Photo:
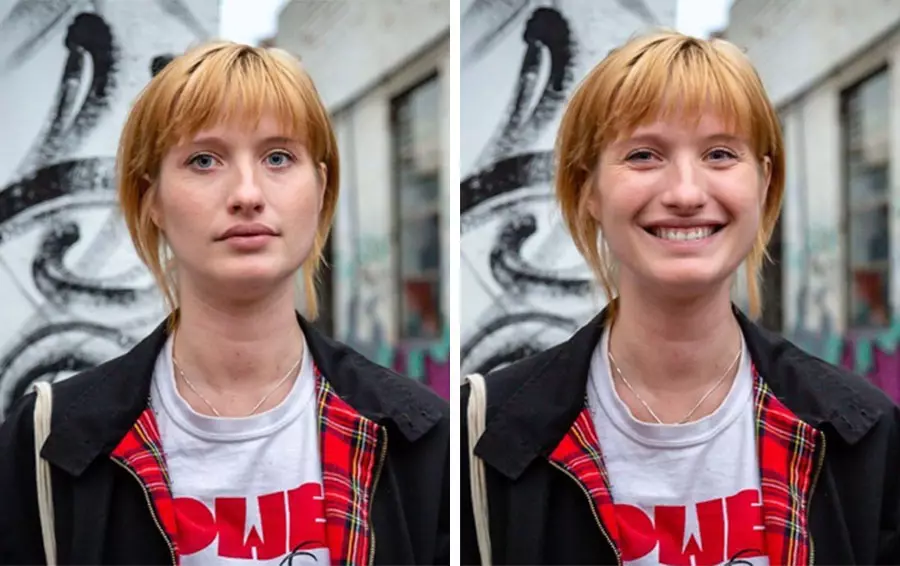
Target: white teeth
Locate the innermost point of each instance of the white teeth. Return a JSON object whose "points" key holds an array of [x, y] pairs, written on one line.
{"points": [[683, 234]]}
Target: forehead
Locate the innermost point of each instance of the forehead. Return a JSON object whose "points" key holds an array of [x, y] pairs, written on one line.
{"points": [[243, 128], [268, 125], [704, 124]]}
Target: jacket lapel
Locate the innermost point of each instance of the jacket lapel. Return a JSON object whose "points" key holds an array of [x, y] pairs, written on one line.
{"points": [[348, 445], [140, 453], [578, 455], [786, 447]]}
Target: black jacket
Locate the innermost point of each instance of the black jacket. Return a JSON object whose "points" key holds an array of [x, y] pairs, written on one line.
{"points": [[102, 516], [538, 515]]}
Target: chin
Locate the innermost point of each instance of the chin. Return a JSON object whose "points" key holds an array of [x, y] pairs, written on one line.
{"points": [[254, 273], [687, 279]]}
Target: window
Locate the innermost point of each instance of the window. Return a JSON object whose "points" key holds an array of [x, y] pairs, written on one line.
{"points": [[415, 126], [865, 123]]}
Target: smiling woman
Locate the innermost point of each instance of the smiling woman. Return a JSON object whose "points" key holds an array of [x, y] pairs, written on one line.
{"points": [[672, 429], [235, 431]]}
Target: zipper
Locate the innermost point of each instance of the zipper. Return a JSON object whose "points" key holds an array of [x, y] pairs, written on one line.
{"points": [[812, 489], [593, 510], [381, 457], [152, 510]]}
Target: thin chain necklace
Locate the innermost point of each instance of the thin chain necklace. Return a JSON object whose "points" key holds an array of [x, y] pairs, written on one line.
{"points": [[692, 411], [258, 405]]}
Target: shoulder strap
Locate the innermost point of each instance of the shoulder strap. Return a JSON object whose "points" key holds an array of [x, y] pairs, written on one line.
{"points": [[43, 410], [476, 417]]}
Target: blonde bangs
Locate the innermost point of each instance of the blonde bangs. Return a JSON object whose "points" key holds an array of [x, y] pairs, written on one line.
{"points": [[221, 82], [229, 86], [683, 80], [662, 76]]}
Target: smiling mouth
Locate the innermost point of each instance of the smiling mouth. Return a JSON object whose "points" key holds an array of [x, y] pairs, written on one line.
{"points": [[686, 234]]}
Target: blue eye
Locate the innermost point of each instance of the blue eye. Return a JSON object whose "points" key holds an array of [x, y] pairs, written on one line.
{"points": [[720, 154], [279, 159], [202, 161], [640, 155]]}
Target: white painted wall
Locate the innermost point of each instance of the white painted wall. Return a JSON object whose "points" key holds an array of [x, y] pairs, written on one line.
{"points": [[798, 43], [50, 331], [379, 51], [348, 45], [807, 52]]}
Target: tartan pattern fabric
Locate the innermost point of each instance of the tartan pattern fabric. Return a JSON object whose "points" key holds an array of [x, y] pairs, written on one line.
{"points": [[786, 447], [140, 451], [786, 451], [578, 453], [348, 444]]}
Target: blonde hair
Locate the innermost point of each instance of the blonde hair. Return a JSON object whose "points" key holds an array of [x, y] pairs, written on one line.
{"points": [[212, 83], [653, 76]]}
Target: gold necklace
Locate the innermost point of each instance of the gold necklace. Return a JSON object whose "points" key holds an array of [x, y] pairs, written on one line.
{"points": [[692, 411]]}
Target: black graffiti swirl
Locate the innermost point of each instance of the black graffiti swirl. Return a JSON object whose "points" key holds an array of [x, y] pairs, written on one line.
{"points": [[62, 187], [516, 275], [510, 179], [50, 192], [503, 176], [90, 44], [546, 35], [66, 289], [512, 336], [53, 349]]}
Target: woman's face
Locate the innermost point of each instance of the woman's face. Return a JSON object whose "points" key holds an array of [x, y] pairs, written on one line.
{"points": [[679, 203], [239, 207]]}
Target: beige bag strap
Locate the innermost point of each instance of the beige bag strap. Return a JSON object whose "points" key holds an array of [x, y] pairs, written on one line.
{"points": [[476, 416], [43, 409]]}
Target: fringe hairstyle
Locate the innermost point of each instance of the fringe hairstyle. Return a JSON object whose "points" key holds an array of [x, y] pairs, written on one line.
{"points": [[209, 84], [652, 76]]}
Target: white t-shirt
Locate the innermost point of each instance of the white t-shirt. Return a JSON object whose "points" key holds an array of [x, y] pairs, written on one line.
{"points": [[683, 494], [247, 490]]}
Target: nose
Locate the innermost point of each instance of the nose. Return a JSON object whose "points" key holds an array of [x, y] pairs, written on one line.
{"points": [[686, 190], [246, 195]]}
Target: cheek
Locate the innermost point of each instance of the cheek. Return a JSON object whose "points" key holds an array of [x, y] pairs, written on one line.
{"points": [[743, 197], [300, 194], [622, 197]]}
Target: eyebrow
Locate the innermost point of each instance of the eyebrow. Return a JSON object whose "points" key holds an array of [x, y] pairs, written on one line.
{"points": [[659, 139], [221, 142]]}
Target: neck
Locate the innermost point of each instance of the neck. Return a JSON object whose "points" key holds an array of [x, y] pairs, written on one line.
{"points": [[229, 345], [674, 345]]}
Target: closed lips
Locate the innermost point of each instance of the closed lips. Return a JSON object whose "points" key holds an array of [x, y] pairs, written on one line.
{"points": [[248, 231]]}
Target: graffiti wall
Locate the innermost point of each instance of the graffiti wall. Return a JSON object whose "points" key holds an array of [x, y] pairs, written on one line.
{"points": [[816, 252], [74, 293], [524, 286]]}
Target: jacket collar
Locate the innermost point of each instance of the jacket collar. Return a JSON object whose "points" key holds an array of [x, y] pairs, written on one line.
{"points": [[91, 420], [545, 393]]}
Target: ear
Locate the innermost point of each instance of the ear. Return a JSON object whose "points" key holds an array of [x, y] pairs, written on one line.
{"points": [[323, 182], [766, 171], [593, 203], [153, 203]]}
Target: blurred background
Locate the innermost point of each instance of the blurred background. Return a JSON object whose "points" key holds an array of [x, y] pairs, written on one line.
{"points": [[72, 292], [830, 69]]}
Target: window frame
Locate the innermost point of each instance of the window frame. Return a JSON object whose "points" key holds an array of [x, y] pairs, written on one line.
{"points": [[432, 276], [853, 209]]}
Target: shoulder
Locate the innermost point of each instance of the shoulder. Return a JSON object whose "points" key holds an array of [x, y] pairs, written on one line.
{"points": [[503, 383], [64, 392], [818, 391], [796, 369], [379, 392]]}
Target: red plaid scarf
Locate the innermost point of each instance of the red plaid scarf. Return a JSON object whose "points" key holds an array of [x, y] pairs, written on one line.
{"points": [[348, 445], [786, 447]]}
